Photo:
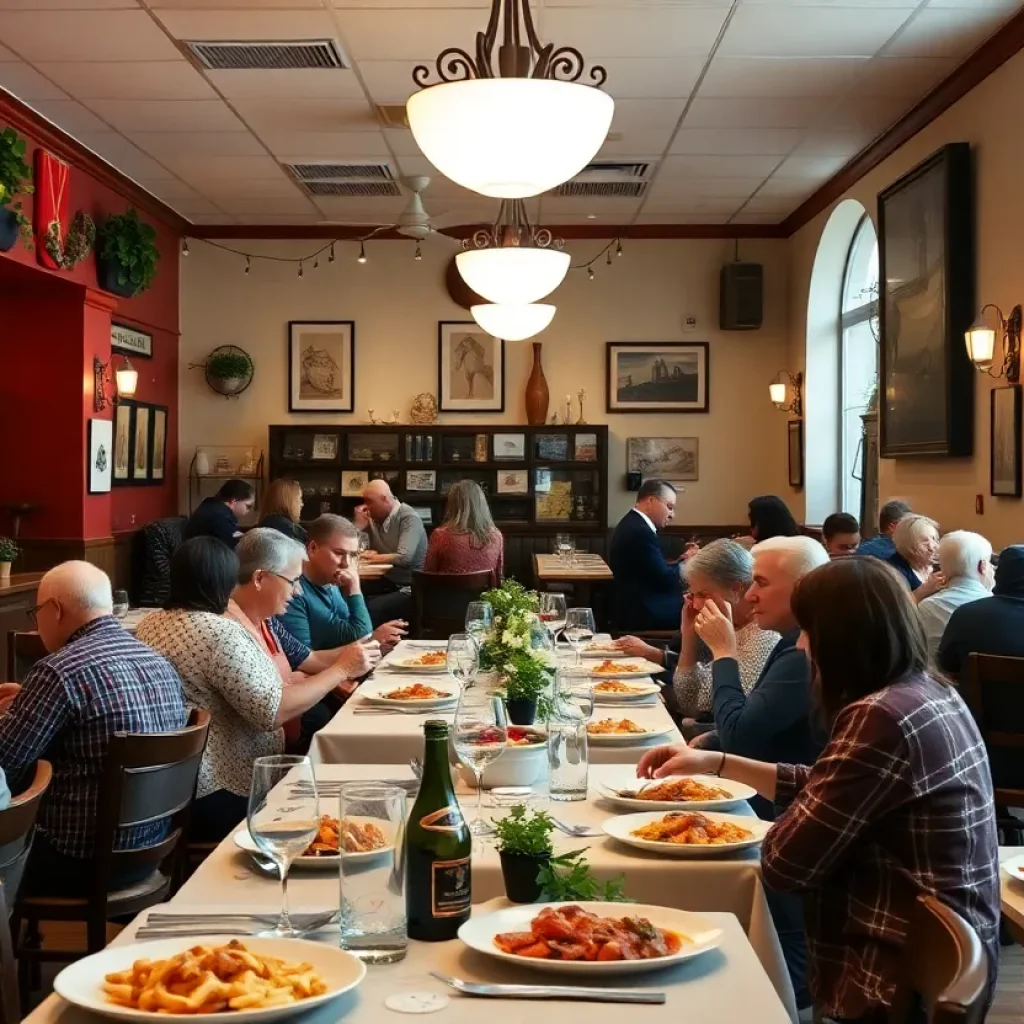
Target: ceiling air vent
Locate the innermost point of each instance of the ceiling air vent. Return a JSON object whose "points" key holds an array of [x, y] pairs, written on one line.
{"points": [[321, 172], [355, 189], [622, 180], [356, 180], [268, 55]]}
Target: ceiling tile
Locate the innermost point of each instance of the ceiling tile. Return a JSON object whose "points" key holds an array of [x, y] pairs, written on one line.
{"points": [[365, 211], [103, 35], [753, 112], [953, 32], [818, 167], [411, 4], [208, 168], [310, 115], [644, 32], [831, 143], [629, 143], [139, 80], [776, 205], [812, 32], [683, 218], [736, 141], [290, 84], [27, 84], [271, 186], [297, 146], [726, 166], [67, 5], [70, 116], [167, 115], [286, 220], [296, 5], [639, 77], [127, 158], [390, 81], [163, 144], [646, 114], [906, 4], [1009, 6], [256, 209], [247, 24], [795, 189], [671, 189], [7, 55], [866, 113], [168, 190], [195, 207], [747, 217], [694, 204], [401, 142], [391, 35], [762, 77], [907, 77]]}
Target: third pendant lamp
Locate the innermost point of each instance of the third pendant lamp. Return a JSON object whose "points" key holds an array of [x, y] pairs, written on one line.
{"points": [[513, 322]]}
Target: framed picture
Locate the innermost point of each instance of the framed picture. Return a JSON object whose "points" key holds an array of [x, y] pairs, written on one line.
{"points": [[122, 441], [926, 266], [321, 365], [671, 458], [510, 446], [390, 476], [131, 340], [1005, 473], [421, 480], [140, 443], [352, 482], [585, 448], [795, 447], [513, 481], [101, 456], [470, 368], [552, 447], [657, 376], [159, 443], [325, 446]]}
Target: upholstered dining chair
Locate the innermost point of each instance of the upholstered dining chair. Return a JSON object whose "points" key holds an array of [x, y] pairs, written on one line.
{"points": [[440, 599]]}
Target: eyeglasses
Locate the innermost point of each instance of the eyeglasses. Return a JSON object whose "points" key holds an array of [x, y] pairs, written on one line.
{"points": [[33, 612], [294, 584]]}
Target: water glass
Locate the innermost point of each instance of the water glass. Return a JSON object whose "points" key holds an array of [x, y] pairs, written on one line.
{"points": [[568, 758], [463, 658], [481, 734], [373, 924], [120, 604], [552, 612], [565, 545], [579, 629], [479, 619], [282, 819]]}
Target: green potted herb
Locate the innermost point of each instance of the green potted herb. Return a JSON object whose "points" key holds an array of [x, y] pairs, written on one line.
{"points": [[230, 370], [567, 879], [126, 254], [524, 846], [8, 553], [15, 180]]}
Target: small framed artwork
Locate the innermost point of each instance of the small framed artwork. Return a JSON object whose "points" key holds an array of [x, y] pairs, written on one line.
{"points": [[140, 443], [510, 446], [585, 448], [390, 476], [101, 456], [513, 481], [421, 480], [158, 458], [122, 442], [552, 447], [1005, 465], [670, 458], [321, 365], [352, 483], [795, 448], [130, 340], [325, 446], [470, 368], [657, 376]]}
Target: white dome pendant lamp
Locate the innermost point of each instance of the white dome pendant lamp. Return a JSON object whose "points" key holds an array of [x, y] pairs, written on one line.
{"points": [[513, 322]]}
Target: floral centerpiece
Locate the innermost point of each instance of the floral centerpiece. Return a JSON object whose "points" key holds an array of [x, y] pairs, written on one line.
{"points": [[524, 670]]}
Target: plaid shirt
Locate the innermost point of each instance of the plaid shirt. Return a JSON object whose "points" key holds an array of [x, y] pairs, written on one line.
{"points": [[899, 803], [100, 682]]}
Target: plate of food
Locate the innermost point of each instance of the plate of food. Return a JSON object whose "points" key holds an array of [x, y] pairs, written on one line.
{"points": [[1014, 867], [622, 731], [600, 647], [428, 661], [616, 691], [362, 839], [687, 833], [674, 793], [418, 695], [256, 979], [625, 668], [589, 938]]}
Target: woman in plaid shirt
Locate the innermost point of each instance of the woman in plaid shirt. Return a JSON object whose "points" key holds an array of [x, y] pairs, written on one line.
{"points": [[898, 804]]}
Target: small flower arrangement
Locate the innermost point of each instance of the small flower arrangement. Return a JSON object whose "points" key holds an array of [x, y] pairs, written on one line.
{"points": [[8, 550]]}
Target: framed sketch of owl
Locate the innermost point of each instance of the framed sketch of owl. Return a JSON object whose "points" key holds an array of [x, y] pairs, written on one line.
{"points": [[321, 365]]}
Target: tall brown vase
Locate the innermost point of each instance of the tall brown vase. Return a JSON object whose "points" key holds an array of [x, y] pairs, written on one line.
{"points": [[537, 392]]}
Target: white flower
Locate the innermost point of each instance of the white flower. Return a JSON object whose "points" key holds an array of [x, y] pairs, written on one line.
{"points": [[543, 657], [510, 639]]}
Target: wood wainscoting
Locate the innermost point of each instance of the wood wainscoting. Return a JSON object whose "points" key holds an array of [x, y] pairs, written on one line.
{"points": [[111, 554]]}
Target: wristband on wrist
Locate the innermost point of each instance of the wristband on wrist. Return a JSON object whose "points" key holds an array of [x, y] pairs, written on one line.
{"points": [[721, 766]]}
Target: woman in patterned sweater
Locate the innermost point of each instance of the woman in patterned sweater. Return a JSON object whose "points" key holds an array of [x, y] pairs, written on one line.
{"points": [[467, 539]]}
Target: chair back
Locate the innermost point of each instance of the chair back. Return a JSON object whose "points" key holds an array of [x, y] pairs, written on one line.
{"points": [[993, 688], [945, 968], [17, 829], [151, 569], [10, 1002], [24, 649], [440, 599]]}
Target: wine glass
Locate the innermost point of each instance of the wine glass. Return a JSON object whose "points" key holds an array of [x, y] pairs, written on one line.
{"points": [[283, 818], [479, 619], [552, 613], [481, 732], [120, 604], [579, 629], [463, 657]]}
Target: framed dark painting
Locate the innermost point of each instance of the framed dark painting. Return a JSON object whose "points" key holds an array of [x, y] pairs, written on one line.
{"points": [[1004, 466], [926, 271], [795, 449], [656, 376]]}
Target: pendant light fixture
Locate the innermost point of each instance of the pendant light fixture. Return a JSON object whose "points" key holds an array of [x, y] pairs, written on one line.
{"points": [[516, 130], [513, 322], [513, 262]]}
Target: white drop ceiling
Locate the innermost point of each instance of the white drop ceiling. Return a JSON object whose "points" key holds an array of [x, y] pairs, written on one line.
{"points": [[743, 108]]}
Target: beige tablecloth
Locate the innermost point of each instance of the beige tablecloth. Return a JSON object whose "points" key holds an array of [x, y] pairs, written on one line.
{"points": [[1012, 888]]}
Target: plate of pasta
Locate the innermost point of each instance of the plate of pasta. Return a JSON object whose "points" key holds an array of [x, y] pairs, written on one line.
{"points": [[361, 839], [429, 662], [623, 731], [688, 833], [415, 695], [255, 979], [616, 691], [675, 793], [624, 668]]}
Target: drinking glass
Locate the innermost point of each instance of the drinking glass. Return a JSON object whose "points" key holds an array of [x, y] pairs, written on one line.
{"points": [[552, 613], [283, 820], [579, 629], [373, 924], [120, 604], [565, 545], [364, 541], [481, 732], [463, 657], [479, 619], [568, 758]]}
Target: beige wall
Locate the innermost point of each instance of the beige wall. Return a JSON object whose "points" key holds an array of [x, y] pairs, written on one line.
{"points": [[987, 118], [396, 303]]}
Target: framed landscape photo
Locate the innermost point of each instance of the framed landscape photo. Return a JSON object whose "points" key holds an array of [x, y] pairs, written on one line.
{"points": [[470, 368], [101, 456], [657, 376], [795, 449], [1005, 474], [670, 458], [421, 480], [321, 365]]}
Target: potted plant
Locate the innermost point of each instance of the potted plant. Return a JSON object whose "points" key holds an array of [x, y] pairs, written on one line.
{"points": [[230, 370], [126, 254], [15, 180], [568, 879], [8, 553], [524, 846]]}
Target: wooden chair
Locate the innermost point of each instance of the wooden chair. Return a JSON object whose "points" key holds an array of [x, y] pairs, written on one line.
{"points": [[24, 649], [148, 777], [440, 599], [945, 968]]}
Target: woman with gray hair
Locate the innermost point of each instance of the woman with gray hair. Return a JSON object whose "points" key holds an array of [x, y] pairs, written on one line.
{"points": [[917, 546]]}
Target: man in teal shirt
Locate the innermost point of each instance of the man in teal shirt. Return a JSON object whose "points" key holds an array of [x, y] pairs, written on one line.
{"points": [[330, 611]]}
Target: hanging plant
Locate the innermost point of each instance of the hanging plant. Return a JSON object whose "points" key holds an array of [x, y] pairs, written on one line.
{"points": [[78, 244], [229, 370], [127, 253], [15, 180]]}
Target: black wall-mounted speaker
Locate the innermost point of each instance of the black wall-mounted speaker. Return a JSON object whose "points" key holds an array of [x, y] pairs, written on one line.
{"points": [[741, 299], [633, 481]]}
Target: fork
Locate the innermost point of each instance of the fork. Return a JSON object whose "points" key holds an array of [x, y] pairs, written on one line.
{"points": [[170, 926], [576, 831]]}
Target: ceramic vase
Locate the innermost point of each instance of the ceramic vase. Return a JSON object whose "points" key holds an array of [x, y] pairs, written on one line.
{"points": [[537, 391]]}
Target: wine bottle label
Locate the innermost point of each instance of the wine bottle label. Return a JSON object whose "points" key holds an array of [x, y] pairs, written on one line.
{"points": [[447, 820], [450, 889]]}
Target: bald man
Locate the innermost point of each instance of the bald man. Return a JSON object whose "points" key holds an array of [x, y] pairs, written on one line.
{"points": [[398, 539], [96, 680]]}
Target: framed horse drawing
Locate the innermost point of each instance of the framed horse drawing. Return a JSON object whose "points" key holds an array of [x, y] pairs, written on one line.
{"points": [[470, 368]]}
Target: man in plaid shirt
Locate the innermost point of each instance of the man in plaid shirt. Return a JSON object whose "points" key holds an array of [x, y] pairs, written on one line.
{"points": [[97, 680]]}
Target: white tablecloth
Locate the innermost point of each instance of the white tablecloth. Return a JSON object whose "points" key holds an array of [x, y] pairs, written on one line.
{"points": [[1012, 888]]}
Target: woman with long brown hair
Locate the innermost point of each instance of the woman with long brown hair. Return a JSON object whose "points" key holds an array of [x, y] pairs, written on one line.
{"points": [[467, 539], [898, 804], [282, 509]]}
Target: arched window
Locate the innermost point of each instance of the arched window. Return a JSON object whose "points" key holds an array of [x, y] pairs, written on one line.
{"points": [[858, 355]]}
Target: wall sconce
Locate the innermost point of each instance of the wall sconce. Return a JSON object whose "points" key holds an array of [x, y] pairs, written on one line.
{"points": [[777, 391], [126, 379], [981, 343]]}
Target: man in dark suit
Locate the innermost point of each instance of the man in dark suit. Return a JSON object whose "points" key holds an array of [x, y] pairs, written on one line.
{"points": [[647, 592]]}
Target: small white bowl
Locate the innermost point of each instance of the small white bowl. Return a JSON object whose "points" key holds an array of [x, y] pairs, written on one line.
{"points": [[517, 766]]}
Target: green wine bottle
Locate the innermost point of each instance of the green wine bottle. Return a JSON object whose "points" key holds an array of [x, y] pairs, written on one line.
{"points": [[437, 849]]}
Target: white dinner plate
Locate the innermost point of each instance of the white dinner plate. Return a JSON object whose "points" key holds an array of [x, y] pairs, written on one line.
{"points": [[621, 828], [624, 739], [641, 668], [638, 692], [373, 693], [624, 777], [411, 664], [244, 841], [81, 983], [479, 931], [1014, 867]]}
